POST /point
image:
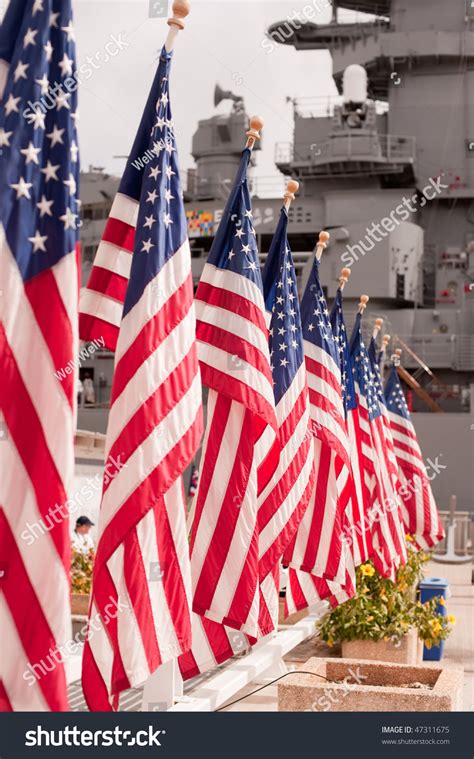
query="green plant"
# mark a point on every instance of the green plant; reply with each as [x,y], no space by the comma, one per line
[386,610]
[81,572]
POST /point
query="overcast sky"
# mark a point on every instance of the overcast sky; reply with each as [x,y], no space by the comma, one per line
[222,43]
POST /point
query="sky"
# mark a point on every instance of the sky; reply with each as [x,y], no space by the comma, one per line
[223,42]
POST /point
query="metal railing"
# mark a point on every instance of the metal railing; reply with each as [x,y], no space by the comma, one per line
[348,146]
[317,106]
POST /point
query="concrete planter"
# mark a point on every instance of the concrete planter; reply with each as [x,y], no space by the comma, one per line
[409,650]
[357,685]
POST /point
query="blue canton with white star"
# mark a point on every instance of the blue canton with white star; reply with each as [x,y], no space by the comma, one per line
[362,370]
[161,225]
[281,300]
[39,162]
[394,395]
[315,315]
[235,245]
[340,338]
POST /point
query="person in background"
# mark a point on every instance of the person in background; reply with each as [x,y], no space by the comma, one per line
[81,540]
[89,392]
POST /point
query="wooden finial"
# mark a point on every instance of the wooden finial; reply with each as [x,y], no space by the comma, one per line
[377,327]
[364,299]
[253,134]
[396,357]
[344,277]
[291,188]
[180,11]
[322,242]
[398,352]
[385,341]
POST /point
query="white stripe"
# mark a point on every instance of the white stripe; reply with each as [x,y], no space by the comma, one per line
[216,316]
[100,306]
[125,209]
[114,259]
[100,646]
[235,283]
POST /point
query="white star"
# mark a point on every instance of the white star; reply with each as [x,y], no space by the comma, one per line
[38,241]
[231,254]
[5,138]
[53,18]
[50,171]
[169,147]
[294,344]
[61,101]
[157,148]
[74,151]
[169,172]
[29,38]
[163,99]
[154,172]
[37,118]
[12,104]
[43,83]
[69,29]
[22,188]
[71,183]
[45,206]
[37,6]
[252,266]
[283,346]
[31,153]
[20,71]
[310,327]
[152,196]
[245,249]
[249,214]
[55,136]
[75,116]
[69,219]
[160,123]
[281,331]
[66,65]
[167,220]
[149,221]
[239,233]
[168,196]
[147,245]
[48,48]
[284,362]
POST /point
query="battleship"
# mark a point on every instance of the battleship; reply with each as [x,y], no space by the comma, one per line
[387,168]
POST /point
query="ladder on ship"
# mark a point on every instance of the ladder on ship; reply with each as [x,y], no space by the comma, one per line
[412,379]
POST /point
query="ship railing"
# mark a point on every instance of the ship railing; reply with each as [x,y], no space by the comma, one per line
[354,145]
[318,106]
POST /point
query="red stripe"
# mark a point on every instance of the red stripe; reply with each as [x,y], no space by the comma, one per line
[323,373]
[119,233]
[5,705]
[31,625]
[234,345]
[92,328]
[53,320]
[108,283]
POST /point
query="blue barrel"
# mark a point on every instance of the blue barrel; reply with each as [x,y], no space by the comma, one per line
[429,587]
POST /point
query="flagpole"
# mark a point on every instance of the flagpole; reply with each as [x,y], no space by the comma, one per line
[385,341]
[364,299]
[292,188]
[253,134]
[322,243]
[344,277]
[176,23]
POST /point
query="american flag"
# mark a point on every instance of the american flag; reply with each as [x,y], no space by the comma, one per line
[39,172]
[142,561]
[419,510]
[318,547]
[239,452]
[356,530]
[389,549]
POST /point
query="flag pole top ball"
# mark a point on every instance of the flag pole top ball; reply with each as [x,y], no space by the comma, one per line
[322,242]
[385,340]
[291,188]
[377,327]
[253,134]
[180,11]
[364,299]
[344,277]
[398,352]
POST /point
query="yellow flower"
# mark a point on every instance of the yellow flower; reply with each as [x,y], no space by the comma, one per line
[451,619]
[441,601]
[330,642]
[409,538]
[367,570]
